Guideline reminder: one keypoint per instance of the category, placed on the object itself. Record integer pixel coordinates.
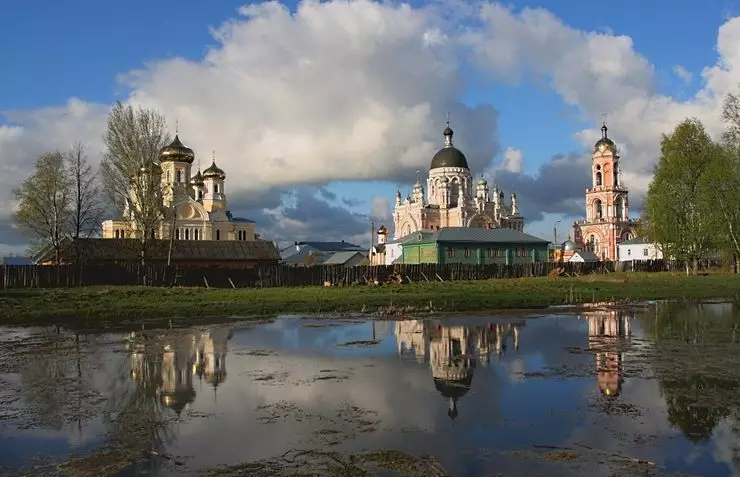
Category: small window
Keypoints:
(215, 188)
(177, 234)
(218, 235)
(644, 252)
(187, 234)
(450, 252)
(629, 252)
(522, 252)
(490, 253)
(467, 252)
(179, 176)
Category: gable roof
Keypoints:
(340, 258)
(331, 246)
(129, 249)
(477, 235)
(301, 255)
(587, 256)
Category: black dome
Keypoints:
(449, 157)
(453, 388)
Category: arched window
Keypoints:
(593, 244)
(196, 234)
(597, 209)
(618, 208)
(200, 194)
(454, 192)
(598, 178)
(218, 235)
(177, 234)
(616, 175)
(179, 176)
(215, 188)
(118, 235)
(187, 234)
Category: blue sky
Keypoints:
(59, 50)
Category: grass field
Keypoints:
(109, 306)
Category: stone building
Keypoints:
(199, 202)
(453, 199)
(607, 221)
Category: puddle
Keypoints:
(649, 391)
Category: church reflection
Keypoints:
(608, 334)
(454, 351)
(169, 365)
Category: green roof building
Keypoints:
(474, 246)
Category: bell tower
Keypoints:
(607, 220)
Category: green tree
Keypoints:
(44, 203)
(679, 200)
(130, 168)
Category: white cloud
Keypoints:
(359, 90)
(683, 74)
(602, 73)
(512, 160)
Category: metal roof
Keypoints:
(480, 235)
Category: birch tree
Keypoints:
(86, 204)
(44, 203)
(130, 167)
(678, 204)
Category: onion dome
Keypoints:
(214, 171)
(197, 179)
(176, 151)
(449, 156)
(605, 143)
(482, 181)
(382, 230)
(570, 246)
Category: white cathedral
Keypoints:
(451, 200)
(199, 202)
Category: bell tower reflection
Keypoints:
(453, 352)
(607, 332)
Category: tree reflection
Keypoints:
(696, 364)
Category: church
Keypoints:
(607, 222)
(453, 199)
(199, 202)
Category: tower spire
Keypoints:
(177, 127)
(214, 156)
(448, 132)
(603, 125)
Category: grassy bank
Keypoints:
(96, 306)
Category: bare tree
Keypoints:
(44, 203)
(85, 196)
(130, 169)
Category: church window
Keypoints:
(218, 235)
(177, 234)
(597, 209)
(200, 194)
(196, 234)
(187, 234)
(618, 207)
(467, 252)
(644, 252)
(629, 252)
(179, 176)
(616, 177)
(598, 178)
(450, 252)
(215, 188)
(117, 234)
(153, 234)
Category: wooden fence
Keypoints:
(41, 276)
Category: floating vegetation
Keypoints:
(305, 463)
(359, 344)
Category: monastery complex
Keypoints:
(453, 199)
(199, 202)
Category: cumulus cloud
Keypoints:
(359, 90)
(602, 73)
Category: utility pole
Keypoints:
(555, 231)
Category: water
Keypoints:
(647, 391)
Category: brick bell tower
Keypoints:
(607, 205)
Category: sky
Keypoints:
(319, 111)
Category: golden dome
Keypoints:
(176, 151)
(214, 171)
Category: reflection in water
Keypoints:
(452, 351)
(169, 366)
(291, 386)
(608, 331)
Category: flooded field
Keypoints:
(646, 391)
